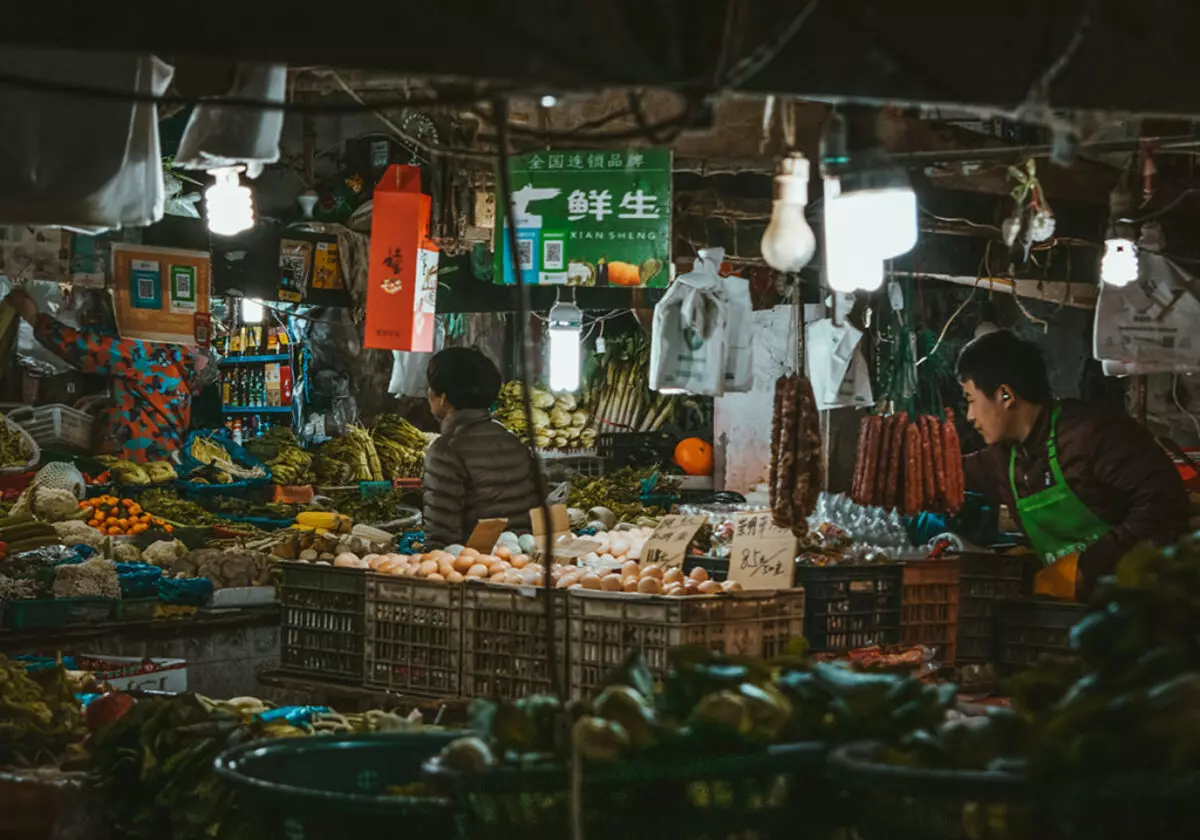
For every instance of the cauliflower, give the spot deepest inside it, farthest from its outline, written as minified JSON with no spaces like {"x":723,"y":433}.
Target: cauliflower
{"x":95,"y":578}
{"x":51,"y":504}
{"x":75,"y":532}
{"x":164,"y":553}
{"x":126,"y":552}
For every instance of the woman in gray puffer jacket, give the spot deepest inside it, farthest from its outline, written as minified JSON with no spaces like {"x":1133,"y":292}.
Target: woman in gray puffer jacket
{"x":477,"y":469}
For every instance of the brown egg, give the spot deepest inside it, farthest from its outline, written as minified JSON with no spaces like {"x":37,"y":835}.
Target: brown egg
{"x":468,"y":552}
{"x":630,"y":584}
{"x":498,"y":575}
{"x":590,"y":581}
{"x":674,"y":590}
{"x":699,"y":574}
{"x":731,"y":586}
{"x":435,"y":577}
{"x":520,"y":561}
{"x":427,"y":568}
{"x":710,"y":587}
{"x":691,"y":586}
{"x":649,"y":586}
{"x":478,"y":571}
{"x":673,"y":576}
{"x":653,"y":571}
{"x":462,"y":563}
{"x":502,"y":552}
{"x":611,"y":583}
{"x":567,"y":581}
{"x":630,"y":569}
{"x":455,"y":577}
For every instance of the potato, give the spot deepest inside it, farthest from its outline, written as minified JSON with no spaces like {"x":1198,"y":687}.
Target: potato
{"x":649,"y":586}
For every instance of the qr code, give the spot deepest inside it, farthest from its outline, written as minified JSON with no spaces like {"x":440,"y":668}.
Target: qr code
{"x":525,"y":253}
{"x":552,"y":254}
{"x":145,"y":288}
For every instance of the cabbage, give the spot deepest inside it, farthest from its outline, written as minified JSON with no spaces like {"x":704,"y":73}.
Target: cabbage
{"x":541,"y":399}
{"x":566,"y":401}
{"x":579,"y":419}
{"x":559,"y":418}
{"x":541,"y":419}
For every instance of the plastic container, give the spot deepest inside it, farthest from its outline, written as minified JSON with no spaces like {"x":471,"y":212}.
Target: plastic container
{"x":1029,"y":630}
{"x":929,"y":606}
{"x":57,"y":426}
{"x":35,"y":615}
{"x":339,"y":787}
{"x":31,"y":448}
{"x":778,"y":792}
{"x":90,"y":610}
{"x":322,"y":628}
{"x":604,"y":626}
{"x":717,"y":567}
{"x":635,"y":449}
{"x":134,"y":609}
{"x":905,"y":803}
{"x":413,"y":636}
{"x":505,"y":654}
{"x":849,"y":607}
{"x":984,"y":579}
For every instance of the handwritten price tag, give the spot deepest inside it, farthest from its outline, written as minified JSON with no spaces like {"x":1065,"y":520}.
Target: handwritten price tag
{"x":763,"y":555}
{"x":669,"y":543}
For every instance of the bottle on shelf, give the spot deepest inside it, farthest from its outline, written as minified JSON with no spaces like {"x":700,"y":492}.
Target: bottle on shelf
{"x":235,"y":343}
{"x":273,"y":340}
{"x":285,"y":384}
{"x":237,"y":430}
{"x":226,"y":387}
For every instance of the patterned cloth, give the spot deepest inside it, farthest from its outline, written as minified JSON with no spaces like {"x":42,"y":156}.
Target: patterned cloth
{"x":150,"y":382}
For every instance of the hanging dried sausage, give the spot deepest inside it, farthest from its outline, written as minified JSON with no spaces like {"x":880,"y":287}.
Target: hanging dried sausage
{"x":933,"y":440}
{"x":895,"y":451}
{"x":956,"y":493}
{"x":879,"y":494}
{"x":928,"y":482}
{"x":786,"y":477}
{"x":913,"y":473}
{"x":809,"y":463}
{"x":776,"y":430}
{"x":860,"y":458}
{"x":875,"y":430}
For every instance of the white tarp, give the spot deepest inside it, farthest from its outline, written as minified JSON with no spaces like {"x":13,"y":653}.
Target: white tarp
{"x":1149,"y":326}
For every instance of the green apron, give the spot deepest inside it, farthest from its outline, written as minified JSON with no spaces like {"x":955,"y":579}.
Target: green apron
{"x":1056,"y":522}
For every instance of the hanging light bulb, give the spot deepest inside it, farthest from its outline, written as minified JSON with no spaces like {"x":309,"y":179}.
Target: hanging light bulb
{"x":788,"y":242}
{"x":252,"y":311}
{"x":228,"y":205}
{"x":1119,"y":265}
{"x":849,"y":266}
{"x":566,"y":325}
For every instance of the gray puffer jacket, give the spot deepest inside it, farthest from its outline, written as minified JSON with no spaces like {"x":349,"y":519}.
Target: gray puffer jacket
{"x":476,"y":470}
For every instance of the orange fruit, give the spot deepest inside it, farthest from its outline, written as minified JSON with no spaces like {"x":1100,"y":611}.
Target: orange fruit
{"x":93,"y":523}
{"x":694,"y":456}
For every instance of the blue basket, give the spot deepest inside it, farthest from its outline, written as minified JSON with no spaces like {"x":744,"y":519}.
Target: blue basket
{"x":240,"y":456}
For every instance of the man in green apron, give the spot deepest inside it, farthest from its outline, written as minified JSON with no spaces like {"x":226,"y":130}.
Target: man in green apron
{"x":1086,"y":482}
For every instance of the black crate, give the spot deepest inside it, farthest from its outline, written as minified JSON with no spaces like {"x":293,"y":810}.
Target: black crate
{"x":505,"y":654}
{"x":849,"y":607}
{"x":717,"y":567}
{"x":1029,"y":630}
{"x":984,"y":579}
{"x":635,"y":449}
{"x":322,"y":629}
{"x":414,"y":636}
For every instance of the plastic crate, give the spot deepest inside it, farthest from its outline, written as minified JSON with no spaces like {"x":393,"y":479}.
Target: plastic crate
{"x":90,"y":610}
{"x":505,"y":654}
{"x":929,"y":606}
{"x":848,"y":607}
{"x":57,"y":426}
{"x":635,"y":449}
{"x":984,"y":579}
{"x":604,"y":626}
{"x":33,"y":615}
{"x":134,"y":609}
{"x":414,"y":636}
{"x":717,"y":567}
{"x":323,"y":621}
{"x":1028,"y":630}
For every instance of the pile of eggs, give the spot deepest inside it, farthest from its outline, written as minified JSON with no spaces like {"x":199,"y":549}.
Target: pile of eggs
{"x":646,"y":580}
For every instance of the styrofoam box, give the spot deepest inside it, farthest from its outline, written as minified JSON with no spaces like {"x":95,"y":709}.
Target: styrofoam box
{"x":161,"y":674}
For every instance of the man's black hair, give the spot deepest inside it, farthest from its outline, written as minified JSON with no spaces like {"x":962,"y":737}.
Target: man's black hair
{"x":1000,"y":358}
{"x":465,"y":377}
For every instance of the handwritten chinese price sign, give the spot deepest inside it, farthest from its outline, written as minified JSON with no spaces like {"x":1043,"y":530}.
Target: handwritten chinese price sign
{"x":669,"y":543}
{"x":589,"y":218}
{"x":763,"y":555}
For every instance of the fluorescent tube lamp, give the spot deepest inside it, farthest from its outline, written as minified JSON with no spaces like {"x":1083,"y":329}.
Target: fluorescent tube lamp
{"x":788,"y":242}
{"x":566,"y":325}
{"x":1119,"y":265}
{"x":228,"y":205}
{"x":252,"y":311}
{"x":850,"y":264}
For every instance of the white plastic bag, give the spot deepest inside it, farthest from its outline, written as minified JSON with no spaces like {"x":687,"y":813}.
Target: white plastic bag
{"x":217,"y":135}
{"x":691,"y":330}
{"x":835,"y":365}
{"x":739,"y":361}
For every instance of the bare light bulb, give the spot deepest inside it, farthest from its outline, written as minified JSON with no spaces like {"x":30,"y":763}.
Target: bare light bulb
{"x":566,"y":326}
{"x":228,"y":205}
{"x":788,"y":242}
{"x":1119,"y":265}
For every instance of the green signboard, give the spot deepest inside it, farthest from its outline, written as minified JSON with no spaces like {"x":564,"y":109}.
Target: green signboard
{"x":599,"y":218}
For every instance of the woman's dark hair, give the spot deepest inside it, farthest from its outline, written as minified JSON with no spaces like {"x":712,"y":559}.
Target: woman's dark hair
{"x":465,"y":377}
{"x":1000,"y":358}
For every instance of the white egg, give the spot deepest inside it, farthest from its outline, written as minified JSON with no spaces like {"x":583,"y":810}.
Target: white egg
{"x":527,"y":543}
{"x":453,"y":550}
{"x":619,"y":546}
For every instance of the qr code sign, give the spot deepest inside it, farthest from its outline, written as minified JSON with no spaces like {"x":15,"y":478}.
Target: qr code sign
{"x":145,"y":288}
{"x":525,"y":253}
{"x":552,"y":254}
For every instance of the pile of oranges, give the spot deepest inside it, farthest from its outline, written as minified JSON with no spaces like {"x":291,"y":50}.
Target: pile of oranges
{"x":120,"y":517}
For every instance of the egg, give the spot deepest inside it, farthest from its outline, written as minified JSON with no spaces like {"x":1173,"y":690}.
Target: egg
{"x":498,"y":575}
{"x":502,"y":552}
{"x":455,"y":577}
{"x":618,"y":546}
{"x":591,"y":580}
{"x":675,"y":590}
{"x":454,"y":550}
{"x":513,"y":578}
{"x":461,"y":563}
{"x":608,"y":560}
{"x":520,"y":561}
{"x":731,"y":586}
{"x":698,"y":574}
{"x":346,"y":560}
{"x":673,"y":576}
{"x":649,"y":586}
{"x":373,"y":560}
{"x":436,"y":578}
{"x":709,"y":587}
{"x":468,"y":552}
{"x":654,"y":571}
{"x":530,"y":578}
{"x":478,"y":571}
{"x":630,"y":570}
{"x":691,"y":586}
{"x":611,"y":583}
{"x":527,"y":543}
{"x":427,"y":568}
{"x":630,"y":584}
{"x":567,"y":580}
{"x":446,"y":568}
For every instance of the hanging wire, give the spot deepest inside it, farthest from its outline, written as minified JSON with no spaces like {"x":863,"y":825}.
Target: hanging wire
{"x":500,"y":111}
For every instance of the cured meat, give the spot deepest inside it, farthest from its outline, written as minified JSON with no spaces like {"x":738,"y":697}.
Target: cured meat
{"x":860,"y":458}
{"x":786,"y":477}
{"x":933,"y":434}
{"x":913,"y":472}
{"x":879,"y":494}
{"x":895,"y":451}
{"x":875,"y":430}
{"x":929,"y":497}
{"x":776,"y":429}
{"x":956,"y":492}
{"x":810,"y":464}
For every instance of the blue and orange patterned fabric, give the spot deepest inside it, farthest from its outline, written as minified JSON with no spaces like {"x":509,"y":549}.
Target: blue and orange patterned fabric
{"x":150,"y":382}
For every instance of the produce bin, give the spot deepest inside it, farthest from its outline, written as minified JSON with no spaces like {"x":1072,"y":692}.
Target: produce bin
{"x":604,"y":626}
{"x":778,"y":792}
{"x":717,"y":567}
{"x":1028,"y":630}
{"x":323,"y":621}
{"x":929,"y":606}
{"x":849,"y":607}
{"x":35,"y":615}
{"x":984,"y":579}
{"x":339,"y":787}
{"x":414,"y":636}
{"x":905,"y":803}
{"x":134,"y":609}
{"x":505,"y":654}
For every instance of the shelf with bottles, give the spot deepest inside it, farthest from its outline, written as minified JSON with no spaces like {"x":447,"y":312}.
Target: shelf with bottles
{"x":257,"y":360}
{"x":254,"y":343}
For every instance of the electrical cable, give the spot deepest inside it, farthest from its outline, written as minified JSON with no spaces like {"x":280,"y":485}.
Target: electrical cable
{"x":753,"y":64}
{"x":504,"y":178}
{"x":1162,"y":211}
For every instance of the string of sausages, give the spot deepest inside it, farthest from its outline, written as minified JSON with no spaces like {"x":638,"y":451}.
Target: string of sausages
{"x":909,"y":465}
{"x":796,"y":468}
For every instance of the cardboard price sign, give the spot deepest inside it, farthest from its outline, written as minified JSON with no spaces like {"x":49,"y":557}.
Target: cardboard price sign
{"x":669,"y":543}
{"x":763,"y":555}
{"x":485,"y":533}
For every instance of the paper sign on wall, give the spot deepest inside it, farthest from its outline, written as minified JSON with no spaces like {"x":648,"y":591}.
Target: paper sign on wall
{"x":161,"y":294}
{"x":668,"y":545}
{"x":763,"y":554}
{"x":402,"y":277}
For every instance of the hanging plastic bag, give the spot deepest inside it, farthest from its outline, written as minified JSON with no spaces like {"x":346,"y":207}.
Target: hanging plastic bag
{"x":218,"y":135}
{"x":739,"y":360}
{"x":691,"y":331}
